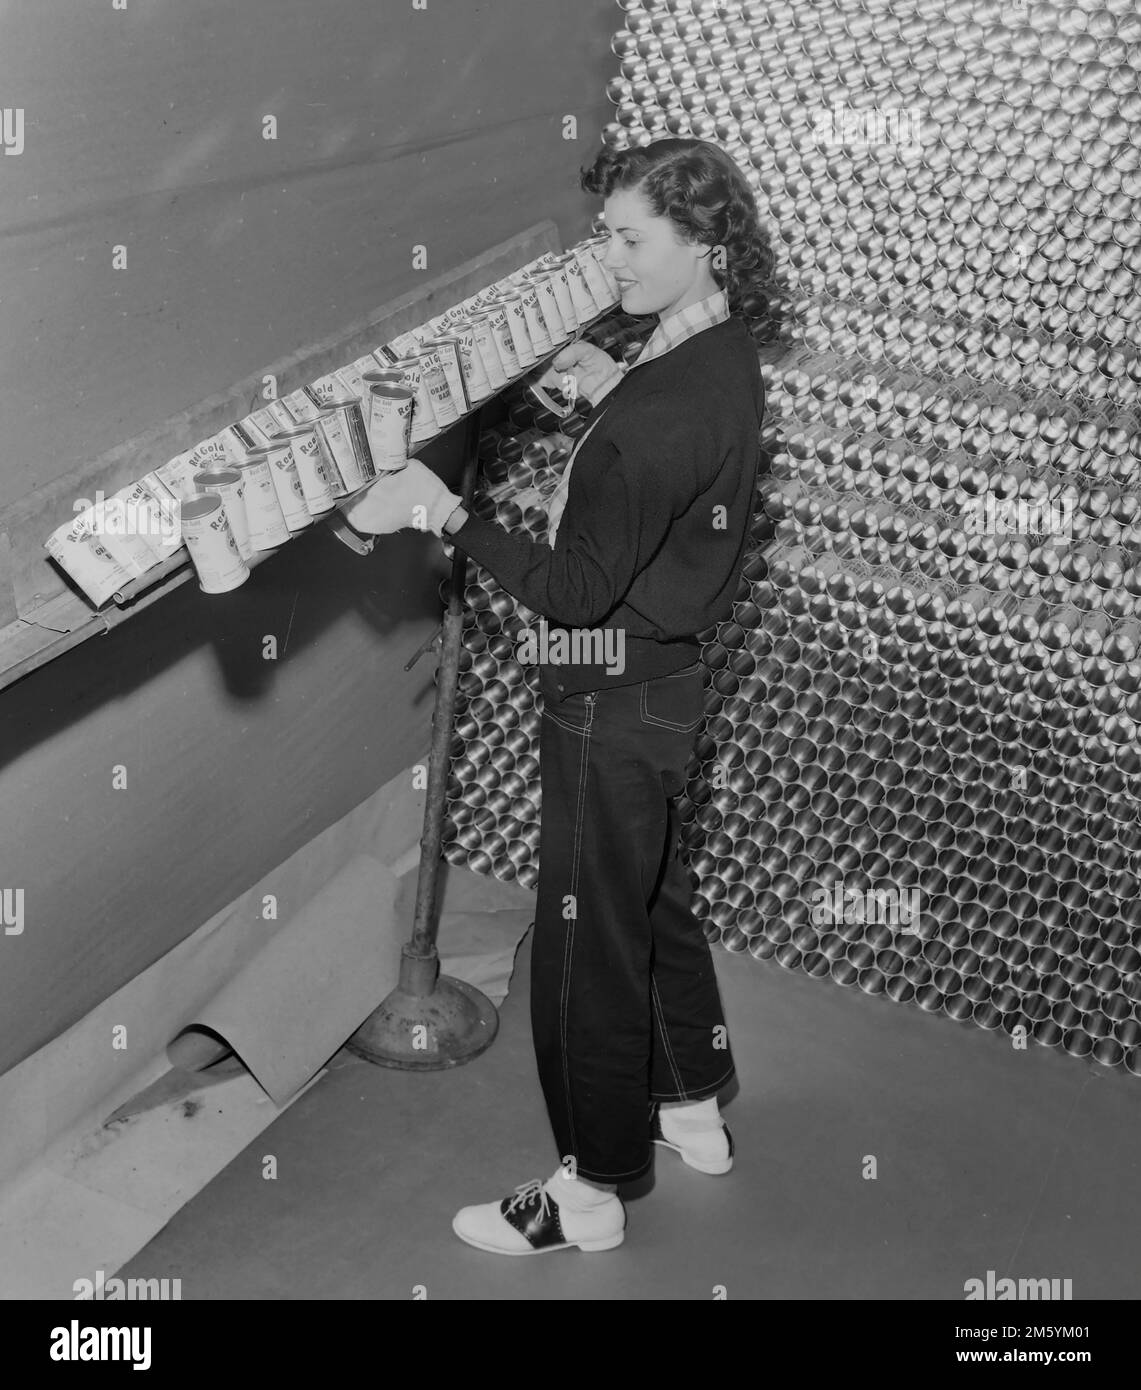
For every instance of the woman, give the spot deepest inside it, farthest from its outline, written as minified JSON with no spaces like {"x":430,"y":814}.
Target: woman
{"x":648,"y":535}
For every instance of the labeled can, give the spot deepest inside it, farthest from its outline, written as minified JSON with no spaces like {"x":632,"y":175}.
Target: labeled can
{"x":402,"y":346}
{"x":423,"y":415}
{"x":264,"y":517}
{"x":500,"y":325}
{"x":263,"y":423}
{"x":451,"y":360}
{"x":80,"y":553}
{"x":390,"y":425}
{"x":525,"y":353}
{"x":549,"y":306}
{"x":285,"y":418}
{"x":227,"y":484}
{"x":302,"y":406}
{"x":484,"y":343}
{"x":351,"y":380}
{"x":214,"y":452}
{"x":537,"y":331}
{"x":118,"y":530}
{"x":151,"y":514}
{"x":343,"y":433}
{"x":177,"y":475}
{"x":436,"y":382}
{"x":584,"y":303}
{"x":477,"y":384}
{"x":598,"y":247}
{"x":314,"y":469}
{"x":596,"y":281}
{"x":325,"y":390}
{"x":560,"y":285}
{"x":212,"y":546}
{"x":283,"y":470}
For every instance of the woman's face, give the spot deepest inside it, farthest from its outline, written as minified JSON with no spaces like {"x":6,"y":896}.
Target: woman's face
{"x":657,"y":272}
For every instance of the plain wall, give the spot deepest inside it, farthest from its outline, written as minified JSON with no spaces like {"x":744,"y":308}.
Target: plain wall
{"x":397,"y":127}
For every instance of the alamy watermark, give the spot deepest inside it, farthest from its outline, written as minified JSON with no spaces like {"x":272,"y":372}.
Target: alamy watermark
{"x":1014,"y":516}
{"x":888,"y":906}
{"x":574,"y":646}
{"x":160,"y":517}
{"x":112,"y":1289}
{"x":994,"y":1288}
{"x":12,"y":129}
{"x":838,"y":127}
{"x":12,"y":911}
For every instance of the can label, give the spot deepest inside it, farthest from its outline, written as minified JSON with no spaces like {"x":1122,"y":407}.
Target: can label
{"x":520,"y":336}
{"x":313,"y":470}
{"x":504,"y":340}
{"x":583,"y":300}
{"x":264,"y":516}
{"x":403,"y":345}
{"x":443,"y":406}
{"x":484,"y":345}
{"x":451,"y":360}
{"x":81,"y":555}
{"x":560,"y":286}
{"x":261,"y":425}
{"x":549,"y":307}
{"x":325,"y":389}
{"x":148,"y":512}
{"x":352,"y":381}
{"x":541,"y":342}
{"x":606,"y":284}
{"x":390,"y":425}
{"x":283,"y":417}
{"x":178,"y":474}
{"x":228,"y":485}
{"x":118,"y":533}
{"x":288,"y":484}
{"x":214,"y":551}
{"x":476,"y":382}
{"x":423,"y":415}
{"x":302,"y":407}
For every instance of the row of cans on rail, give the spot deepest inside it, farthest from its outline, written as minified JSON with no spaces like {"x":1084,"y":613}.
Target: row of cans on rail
{"x":248,"y":489}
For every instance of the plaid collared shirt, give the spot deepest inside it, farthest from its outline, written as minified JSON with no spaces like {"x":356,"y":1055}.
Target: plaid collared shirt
{"x":673,"y":329}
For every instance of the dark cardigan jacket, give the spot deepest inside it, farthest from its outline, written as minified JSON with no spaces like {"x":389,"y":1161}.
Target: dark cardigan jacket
{"x":657,"y":516}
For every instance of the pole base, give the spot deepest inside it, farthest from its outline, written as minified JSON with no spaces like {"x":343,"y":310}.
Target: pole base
{"x":429,"y":1021}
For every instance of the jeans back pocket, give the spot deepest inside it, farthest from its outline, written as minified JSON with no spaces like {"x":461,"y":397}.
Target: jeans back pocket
{"x":676,"y":701}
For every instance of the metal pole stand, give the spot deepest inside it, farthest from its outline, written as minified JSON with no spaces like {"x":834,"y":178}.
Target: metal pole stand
{"x":431,"y":1021}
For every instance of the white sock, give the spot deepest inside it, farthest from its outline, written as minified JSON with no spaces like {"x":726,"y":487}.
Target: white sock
{"x":580,"y":1194}
{"x":690,"y":1116}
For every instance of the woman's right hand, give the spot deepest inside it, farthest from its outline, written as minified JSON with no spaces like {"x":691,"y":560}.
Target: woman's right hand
{"x":592,"y":372}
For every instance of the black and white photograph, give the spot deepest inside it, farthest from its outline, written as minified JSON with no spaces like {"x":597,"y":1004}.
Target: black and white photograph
{"x":570,"y":670}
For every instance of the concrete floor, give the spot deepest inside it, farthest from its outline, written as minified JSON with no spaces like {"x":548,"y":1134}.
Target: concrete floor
{"x":987,"y":1158}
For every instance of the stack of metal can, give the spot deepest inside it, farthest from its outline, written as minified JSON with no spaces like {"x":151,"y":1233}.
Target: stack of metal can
{"x":920,"y":771}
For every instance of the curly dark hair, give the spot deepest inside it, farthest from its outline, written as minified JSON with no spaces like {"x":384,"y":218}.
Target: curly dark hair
{"x":700,"y":187}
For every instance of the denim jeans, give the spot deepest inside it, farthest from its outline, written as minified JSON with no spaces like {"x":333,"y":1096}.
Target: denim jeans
{"x":625,"y":1008}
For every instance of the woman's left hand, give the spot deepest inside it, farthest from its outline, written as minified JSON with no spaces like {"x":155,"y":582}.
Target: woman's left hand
{"x":413,"y":497}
